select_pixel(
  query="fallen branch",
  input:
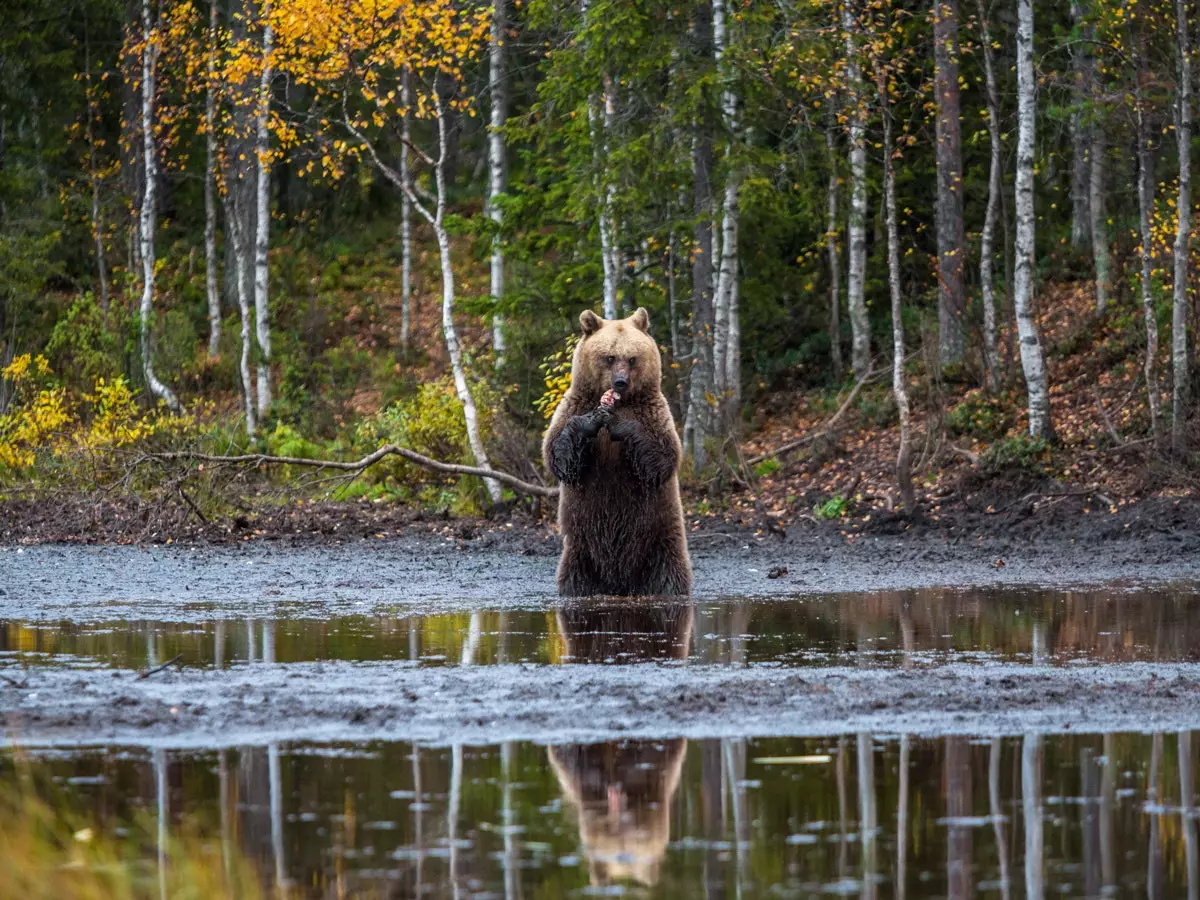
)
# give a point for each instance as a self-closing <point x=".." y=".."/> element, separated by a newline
<point x="358" y="465"/>
<point x="1108" y="422"/>
<point x="972" y="458"/>
<point x="824" y="430"/>
<point x="170" y="662"/>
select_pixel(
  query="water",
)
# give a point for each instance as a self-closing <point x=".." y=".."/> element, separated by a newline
<point x="1078" y="815"/>
<point x="871" y="815"/>
<point x="927" y="626"/>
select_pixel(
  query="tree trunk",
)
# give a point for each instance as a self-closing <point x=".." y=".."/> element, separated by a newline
<point x="1099" y="227"/>
<point x="497" y="168"/>
<point x="698" y="423"/>
<point x="94" y="179"/>
<point x="608" y="238"/>
<point x="899" y="388"/>
<point x="1145" y="210"/>
<point x="1080" y="137"/>
<point x="210" y="199"/>
<point x="831" y="253"/>
<point x="453" y="348"/>
<point x="1032" y="361"/>
<point x="991" y="358"/>
<point x="1031" y="803"/>
<point x="147" y="219"/>
<point x="236" y="241"/>
<point x="1179" y="304"/>
<point x="405" y="214"/>
<point x="951" y="240"/>
<point x="262" y="233"/>
<point x="860" y="326"/>
<point x="726" y="352"/>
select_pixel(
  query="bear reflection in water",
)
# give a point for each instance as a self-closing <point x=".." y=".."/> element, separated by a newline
<point x="621" y="791"/>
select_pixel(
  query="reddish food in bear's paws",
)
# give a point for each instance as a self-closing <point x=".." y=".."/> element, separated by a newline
<point x="610" y="399"/>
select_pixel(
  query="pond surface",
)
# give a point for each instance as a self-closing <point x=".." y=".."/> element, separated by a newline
<point x="929" y="626"/>
<point x="887" y="816"/>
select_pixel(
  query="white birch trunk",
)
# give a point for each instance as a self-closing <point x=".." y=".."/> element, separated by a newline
<point x="210" y="199"/>
<point x="453" y="348"/>
<point x="405" y="215"/>
<point x="726" y="355"/>
<point x="147" y="218"/>
<point x="1032" y="362"/>
<point x="835" y="265"/>
<point x="497" y="168"/>
<point x="1145" y="207"/>
<point x="1079" y="131"/>
<point x="1179" y="305"/>
<point x="1031" y="801"/>
<point x="860" y="329"/>
<point x="1099" y="226"/>
<point x="899" y="388"/>
<point x="991" y="357"/>
<point x="262" y="233"/>
<point x="237" y="241"/>
<point x="608" y="240"/>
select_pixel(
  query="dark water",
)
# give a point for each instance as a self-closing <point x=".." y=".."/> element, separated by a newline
<point x="1079" y="815"/>
<point x="885" y="628"/>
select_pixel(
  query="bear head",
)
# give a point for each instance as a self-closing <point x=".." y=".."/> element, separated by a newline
<point x="616" y="354"/>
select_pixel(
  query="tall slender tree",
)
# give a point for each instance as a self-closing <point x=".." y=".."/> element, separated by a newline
<point x="262" y="217"/>
<point x="406" y="257"/>
<point x="1032" y="361"/>
<point x="833" y="257"/>
<point x="147" y="218"/>
<point x="726" y="340"/>
<point x="951" y="237"/>
<point x="211" y="162"/>
<point x="856" y="117"/>
<point x="991" y="357"/>
<point x="1080" y="130"/>
<point x="497" y="166"/>
<point x="1183" y="203"/>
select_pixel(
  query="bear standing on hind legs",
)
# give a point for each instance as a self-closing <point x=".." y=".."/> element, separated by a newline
<point x="613" y="447"/>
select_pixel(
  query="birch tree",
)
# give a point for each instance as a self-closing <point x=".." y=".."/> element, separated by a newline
<point x="147" y="219"/>
<point x="987" y="251"/>
<point x="726" y="337"/>
<point x="833" y="257"/>
<point x="233" y="226"/>
<point x="262" y="219"/>
<point x="210" y="199"/>
<point x="497" y="167"/>
<point x="1100" y="255"/>
<point x="899" y="388"/>
<point x="951" y="240"/>
<point x="405" y="212"/>
<point x="1145" y="211"/>
<point x="1032" y="362"/>
<point x="1183" y="202"/>
<point x="856" y="251"/>
<point x="1080" y="133"/>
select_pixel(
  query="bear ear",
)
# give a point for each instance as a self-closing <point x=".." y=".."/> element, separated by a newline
<point x="641" y="320"/>
<point x="589" y="322"/>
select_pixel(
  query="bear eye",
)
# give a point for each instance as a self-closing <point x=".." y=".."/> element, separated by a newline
<point x="610" y="359"/>
<point x="633" y="361"/>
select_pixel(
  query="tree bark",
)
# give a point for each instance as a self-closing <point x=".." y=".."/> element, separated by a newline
<point x="1100" y="254"/>
<point x="609" y="247"/>
<point x="1179" y="304"/>
<point x="698" y="422"/>
<point x="1032" y="362"/>
<point x="1145" y="209"/>
<point x="497" y="168"/>
<point x="210" y="199"/>
<point x="951" y="240"/>
<point x="147" y="218"/>
<point x="727" y="333"/>
<point x="831" y="253"/>
<point x="405" y="213"/>
<point x="860" y="326"/>
<point x="94" y="180"/>
<point x="262" y="234"/>
<point x="236" y="241"/>
<point x="991" y="357"/>
<point x="1080" y="138"/>
<point x="899" y="388"/>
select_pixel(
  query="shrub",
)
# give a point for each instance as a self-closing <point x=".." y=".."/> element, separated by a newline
<point x="833" y="508"/>
<point x="767" y="467"/>
<point x="1022" y="453"/>
<point x="979" y="416"/>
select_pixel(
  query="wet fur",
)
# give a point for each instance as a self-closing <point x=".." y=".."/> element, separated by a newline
<point x="619" y="510"/>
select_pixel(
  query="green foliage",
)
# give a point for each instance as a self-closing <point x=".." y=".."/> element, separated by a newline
<point x="767" y="467"/>
<point x="1021" y="453"/>
<point x="833" y="508"/>
<point x="84" y="346"/>
<point x="980" y="416"/>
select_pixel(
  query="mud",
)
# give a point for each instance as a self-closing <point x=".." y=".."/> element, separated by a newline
<point x="555" y="704"/>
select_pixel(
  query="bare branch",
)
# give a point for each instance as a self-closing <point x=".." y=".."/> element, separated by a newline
<point x="257" y="459"/>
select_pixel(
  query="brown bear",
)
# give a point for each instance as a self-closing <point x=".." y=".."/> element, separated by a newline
<point x="613" y="447"/>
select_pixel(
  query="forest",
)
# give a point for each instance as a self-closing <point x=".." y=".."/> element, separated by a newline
<point x="338" y="248"/>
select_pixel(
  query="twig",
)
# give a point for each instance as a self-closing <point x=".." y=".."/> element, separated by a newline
<point x="1108" y="423"/>
<point x="972" y="458"/>
<point x="257" y="459"/>
<point x="824" y="430"/>
<point x="1058" y="495"/>
<point x="170" y="662"/>
<point x="188" y="500"/>
<point x="771" y="526"/>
